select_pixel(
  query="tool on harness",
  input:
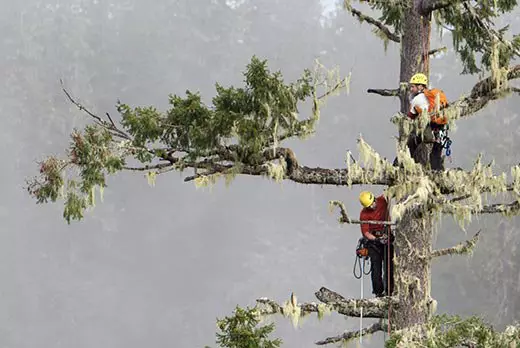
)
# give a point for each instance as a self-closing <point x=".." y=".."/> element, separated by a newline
<point x="361" y="253"/>
<point x="447" y="146"/>
<point x="441" y="136"/>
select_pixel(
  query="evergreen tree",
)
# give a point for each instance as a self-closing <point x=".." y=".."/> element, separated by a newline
<point x="243" y="131"/>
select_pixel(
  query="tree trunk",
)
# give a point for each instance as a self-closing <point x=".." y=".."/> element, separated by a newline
<point x="414" y="231"/>
<point x="413" y="243"/>
<point x="415" y="45"/>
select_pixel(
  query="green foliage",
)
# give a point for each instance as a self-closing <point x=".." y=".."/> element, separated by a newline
<point x="144" y="124"/>
<point x="392" y="11"/>
<point x="241" y="331"/>
<point x="253" y="116"/>
<point x="470" y="37"/>
<point x="92" y="155"/>
<point x="444" y="331"/>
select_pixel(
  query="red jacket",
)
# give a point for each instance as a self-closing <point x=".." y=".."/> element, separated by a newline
<point x="378" y="214"/>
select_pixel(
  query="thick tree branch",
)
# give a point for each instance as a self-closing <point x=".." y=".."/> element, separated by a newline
<point x="346" y="336"/>
<point x="150" y="167"/>
<point x="385" y="92"/>
<point x="269" y="307"/>
<point x="481" y="94"/>
<point x="500" y="208"/>
<point x="461" y="248"/>
<point x="428" y="6"/>
<point x="347" y="220"/>
<point x="487" y="86"/>
<point x="303" y="175"/>
<point x="372" y="308"/>
<point x="362" y="17"/>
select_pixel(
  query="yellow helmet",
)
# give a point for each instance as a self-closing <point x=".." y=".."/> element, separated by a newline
<point x="366" y="198"/>
<point x="419" y="79"/>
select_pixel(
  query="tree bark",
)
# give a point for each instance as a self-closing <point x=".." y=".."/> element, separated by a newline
<point x="413" y="243"/>
<point x="415" y="45"/>
<point x="414" y="232"/>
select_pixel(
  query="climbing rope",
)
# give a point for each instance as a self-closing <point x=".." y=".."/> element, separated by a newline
<point x="389" y="259"/>
<point x="360" y="267"/>
<point x="361" y="310"/>
<point x="361" y="253"/>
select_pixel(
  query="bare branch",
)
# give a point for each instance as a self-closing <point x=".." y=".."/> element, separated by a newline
<point x="345" y="218"/>
<point x="437" y="50"/>
<point x="199" y="175"/>
<point x="385" y="92"/>
<point x="461" y="248"/>
<point x="372" y="308"/>
<point x="111" y="121"/>
<point x="81" y="107"/>
<point x="109" y="126"/>
<point x="362" y="17"/>
<point x="160" y="168"/>
<point x="500" y="208"/>
<point x="305" y="175"/>
<point x="346" y="336"/>
<point x="271" y="307"/>
<point x="459" y="198"/>
<point x="334" y="89"/>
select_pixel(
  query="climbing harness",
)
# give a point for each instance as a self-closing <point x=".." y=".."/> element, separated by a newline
<point x="447" y="145"/>
<point x="441" y="136"/>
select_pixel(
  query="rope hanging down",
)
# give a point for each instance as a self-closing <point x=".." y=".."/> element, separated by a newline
<point x="389" y="259"/>
<point x="361" y="253"/>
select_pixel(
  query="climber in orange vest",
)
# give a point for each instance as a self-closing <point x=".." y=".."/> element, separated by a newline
<point x="431" y="101"/>
<point x="379" y="242"/>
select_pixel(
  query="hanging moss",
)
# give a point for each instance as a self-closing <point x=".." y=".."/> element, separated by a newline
<point x="443" y="331"/>
<point x="291" y="310"/>
<point x="323" y="309"/>
<point x="151" y="176"/>
<point x="203" y="181"/>
<point x="277" y="171"/>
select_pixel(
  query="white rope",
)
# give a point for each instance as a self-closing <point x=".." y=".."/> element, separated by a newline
<point x="361" y="311"/>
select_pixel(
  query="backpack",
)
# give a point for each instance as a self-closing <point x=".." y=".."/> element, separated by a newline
<point x="431" y="95"/>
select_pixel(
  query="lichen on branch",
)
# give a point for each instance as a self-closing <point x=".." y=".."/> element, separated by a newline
<point x="466" y="247"/>
<point x="239" y="133"/>
<point x="350" y="335"/>
<point x="454" y="331"/>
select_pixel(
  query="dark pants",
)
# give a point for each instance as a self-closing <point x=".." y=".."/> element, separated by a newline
<point x="419" y="152"/>
<point x="378" y="258"/>
<point x="436" y="162"/>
